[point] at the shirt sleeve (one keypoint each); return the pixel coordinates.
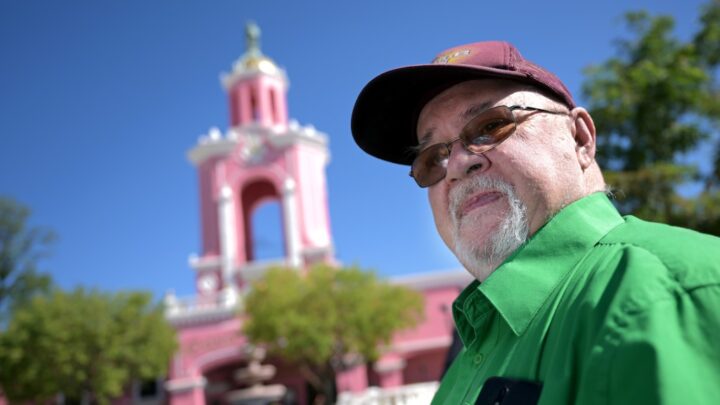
(660, 343)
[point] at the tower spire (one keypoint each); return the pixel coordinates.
(252, 39)
(252, 60)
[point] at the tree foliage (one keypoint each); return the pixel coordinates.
(655, 104)
(83, 343)
(327, 319)
(21, 246)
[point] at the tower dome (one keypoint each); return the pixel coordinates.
(253, 59)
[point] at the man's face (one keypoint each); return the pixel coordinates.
(487, 205)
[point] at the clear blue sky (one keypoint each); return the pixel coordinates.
(100, 101)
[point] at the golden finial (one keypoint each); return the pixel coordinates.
(252, 38)
(253, 58)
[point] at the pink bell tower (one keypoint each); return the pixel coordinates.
(262, 157)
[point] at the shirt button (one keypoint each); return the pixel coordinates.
(478, 359)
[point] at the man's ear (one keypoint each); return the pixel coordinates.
(584, 134)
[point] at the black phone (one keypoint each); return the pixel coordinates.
(509, 391)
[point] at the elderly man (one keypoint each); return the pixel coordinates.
(572, 303)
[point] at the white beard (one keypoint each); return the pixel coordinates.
(509, 235)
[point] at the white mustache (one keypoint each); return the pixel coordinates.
(473, 185)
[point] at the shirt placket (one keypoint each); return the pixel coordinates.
(479, 353)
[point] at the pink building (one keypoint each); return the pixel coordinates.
(263, 156)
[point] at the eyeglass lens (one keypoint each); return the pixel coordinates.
(481, 134)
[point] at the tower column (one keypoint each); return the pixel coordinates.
(390, 370)
(292, 230)
(186, 391)
(226, 211)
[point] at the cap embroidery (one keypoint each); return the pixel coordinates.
(451, 57)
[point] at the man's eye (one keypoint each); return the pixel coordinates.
(440, 159)
(485, 132)
(493, 126)
(481, 138)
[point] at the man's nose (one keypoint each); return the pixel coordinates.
(462, 162)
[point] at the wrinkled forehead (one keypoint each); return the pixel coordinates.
(460, 103)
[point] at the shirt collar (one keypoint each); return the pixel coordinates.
(519, 287)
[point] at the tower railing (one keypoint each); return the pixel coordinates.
(224, 304)
(412, 394)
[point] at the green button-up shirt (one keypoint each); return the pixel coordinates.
(599, 309)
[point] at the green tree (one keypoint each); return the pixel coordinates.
(21, 246)
(654, 104)
(327, 319)
(83, 344)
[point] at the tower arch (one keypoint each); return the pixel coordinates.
(252, 195)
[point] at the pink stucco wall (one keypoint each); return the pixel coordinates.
(208, 207)
(205, 346)
(438, 325)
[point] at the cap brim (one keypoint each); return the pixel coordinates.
(384, 118)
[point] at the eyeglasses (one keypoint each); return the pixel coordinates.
(487, 130)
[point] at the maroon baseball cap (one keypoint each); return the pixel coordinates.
(385, 115)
